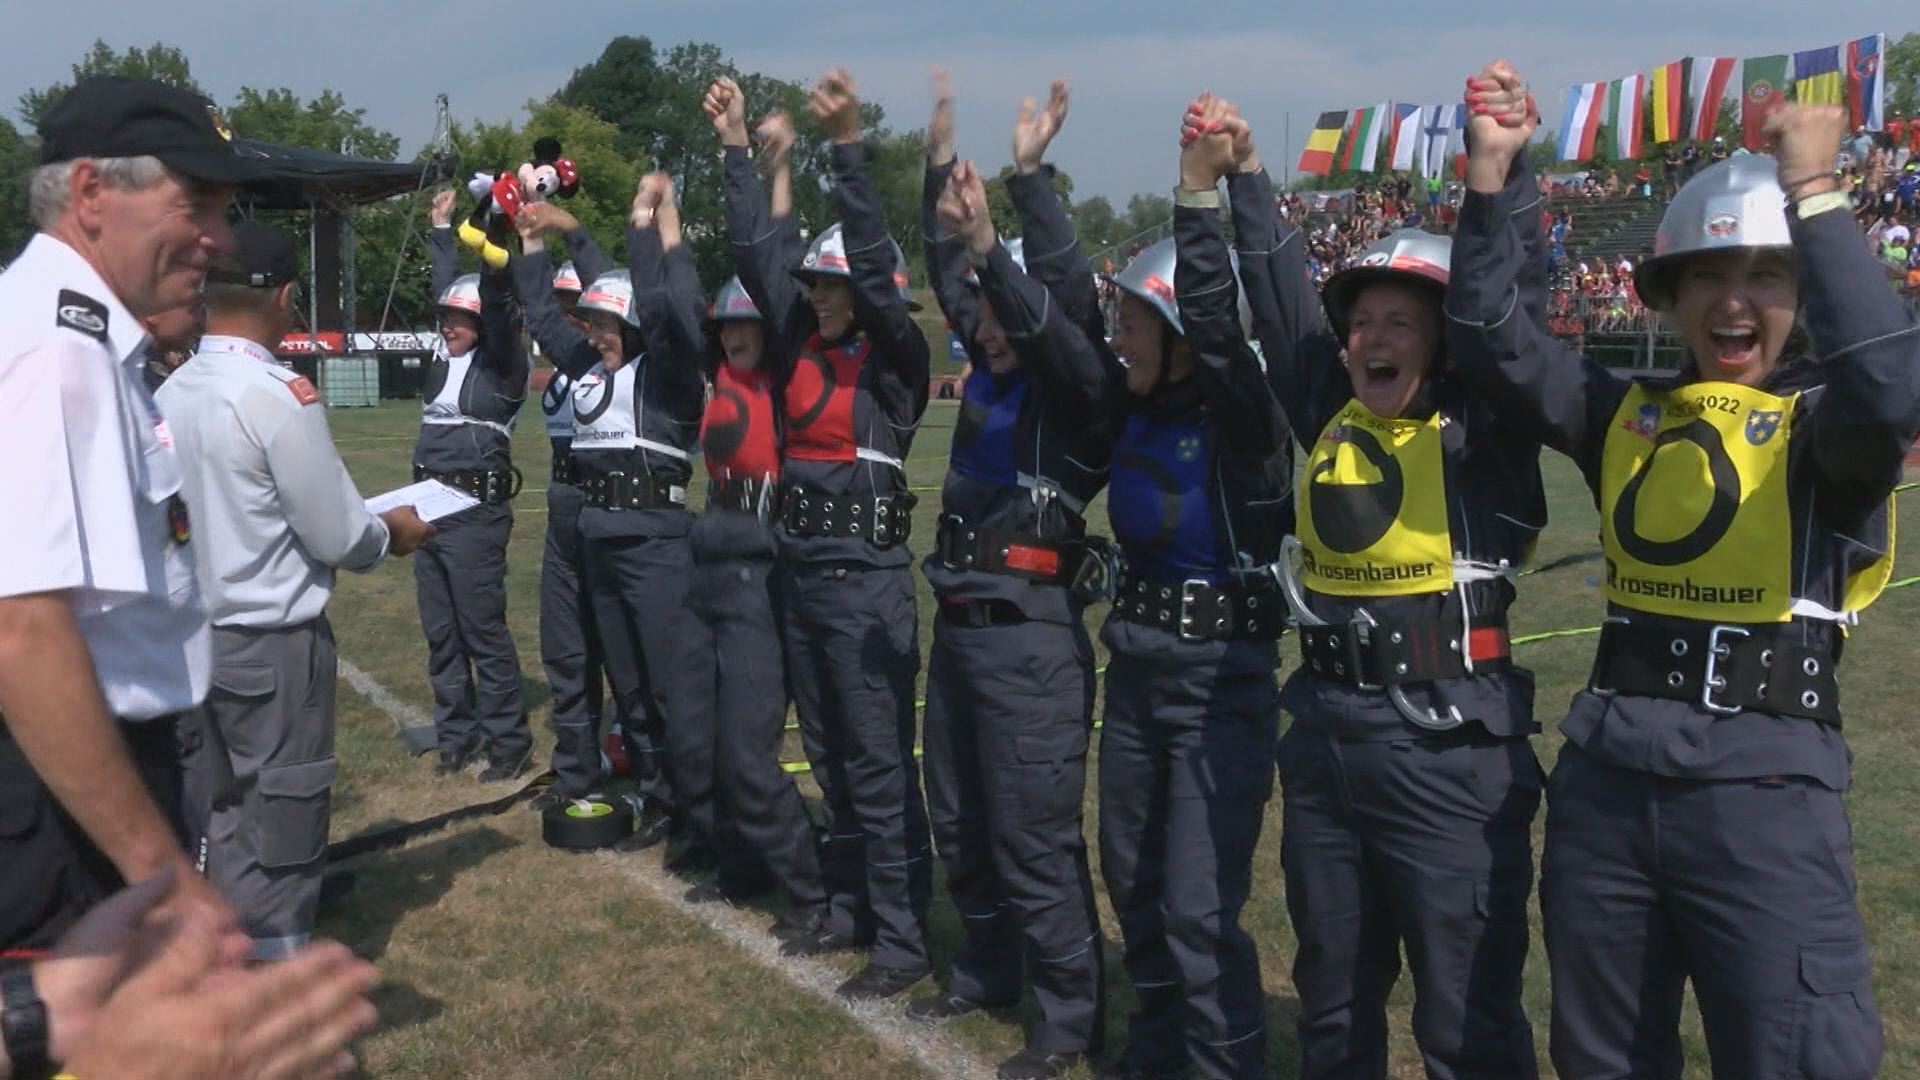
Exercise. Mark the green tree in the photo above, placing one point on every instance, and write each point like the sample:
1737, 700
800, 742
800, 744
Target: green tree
1146, 211
326, 123
1095, 223
157, 61
16, 159
1902, 70
653, 100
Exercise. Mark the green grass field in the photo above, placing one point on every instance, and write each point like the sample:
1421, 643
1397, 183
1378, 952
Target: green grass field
505, 959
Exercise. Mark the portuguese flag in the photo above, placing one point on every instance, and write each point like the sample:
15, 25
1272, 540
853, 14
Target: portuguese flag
1317, 158
1763, 89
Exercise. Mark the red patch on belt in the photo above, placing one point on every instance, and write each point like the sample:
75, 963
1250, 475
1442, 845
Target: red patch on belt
303, 391
1033, 560
1488, 643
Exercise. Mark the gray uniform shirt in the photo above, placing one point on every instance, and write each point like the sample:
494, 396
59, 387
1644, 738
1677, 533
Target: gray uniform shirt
275, 509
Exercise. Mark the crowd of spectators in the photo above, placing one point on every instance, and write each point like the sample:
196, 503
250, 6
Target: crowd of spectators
1596, 295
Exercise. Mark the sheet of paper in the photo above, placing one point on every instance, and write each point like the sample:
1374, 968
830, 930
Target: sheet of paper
431, 499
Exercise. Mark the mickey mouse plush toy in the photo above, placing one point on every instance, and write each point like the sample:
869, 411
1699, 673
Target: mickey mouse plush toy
500, 198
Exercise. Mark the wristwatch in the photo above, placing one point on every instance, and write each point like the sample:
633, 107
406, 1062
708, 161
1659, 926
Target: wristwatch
23, 1024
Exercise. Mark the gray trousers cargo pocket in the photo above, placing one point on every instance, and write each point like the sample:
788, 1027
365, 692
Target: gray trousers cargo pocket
294, 803
1839, 1029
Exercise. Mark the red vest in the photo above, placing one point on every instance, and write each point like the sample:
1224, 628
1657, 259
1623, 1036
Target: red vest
737, 431
819, 400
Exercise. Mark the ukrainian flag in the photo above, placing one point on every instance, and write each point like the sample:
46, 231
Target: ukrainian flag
1817, 78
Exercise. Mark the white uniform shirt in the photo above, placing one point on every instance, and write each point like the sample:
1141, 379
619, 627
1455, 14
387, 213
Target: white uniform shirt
90, 481
274, 506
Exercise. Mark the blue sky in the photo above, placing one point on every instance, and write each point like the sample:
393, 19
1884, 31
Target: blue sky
1133, 64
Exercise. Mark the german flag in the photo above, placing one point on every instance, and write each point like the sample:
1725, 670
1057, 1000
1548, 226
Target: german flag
1317, 158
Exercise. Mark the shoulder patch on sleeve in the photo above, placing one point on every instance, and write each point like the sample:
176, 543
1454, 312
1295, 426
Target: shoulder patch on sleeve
302, 390
78, 311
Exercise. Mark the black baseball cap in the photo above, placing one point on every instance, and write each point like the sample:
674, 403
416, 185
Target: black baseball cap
262, 258
115, 116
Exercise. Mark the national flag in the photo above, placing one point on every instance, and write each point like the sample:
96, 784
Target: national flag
1816, 77
1435, 135
1404, 137
1707, 78
1363, 139
1628, 98
1317, 158
1457, 142
1581, 123
1865, 87
1669, 93
1764, 88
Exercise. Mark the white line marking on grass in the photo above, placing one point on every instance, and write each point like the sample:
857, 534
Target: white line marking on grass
401, 713
940, 1054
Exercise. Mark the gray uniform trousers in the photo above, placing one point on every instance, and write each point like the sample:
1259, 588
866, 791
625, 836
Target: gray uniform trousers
1417, 842
1744, 886
734, 722
1006, 764
852, 645
460, 576
267, 758
570, 649
639, 586
1186, 768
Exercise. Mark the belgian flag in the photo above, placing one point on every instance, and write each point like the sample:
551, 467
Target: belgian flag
1317, 158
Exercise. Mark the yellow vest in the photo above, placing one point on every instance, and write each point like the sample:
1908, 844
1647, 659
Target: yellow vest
1694, 517
1373, 519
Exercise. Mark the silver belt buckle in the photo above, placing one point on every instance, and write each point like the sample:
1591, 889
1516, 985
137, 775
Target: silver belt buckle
1186, 600
1711, 681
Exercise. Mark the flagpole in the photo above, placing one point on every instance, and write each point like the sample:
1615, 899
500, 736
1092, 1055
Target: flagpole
1286, 169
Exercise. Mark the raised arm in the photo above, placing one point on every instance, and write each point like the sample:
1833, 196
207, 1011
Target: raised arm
499, 327
761, 241
1077, 369
1865, 421
565, 346
1531, 378
440, 251
877, 304
1209, 296
945, 252
1053, 254
588, 260
1301, 350
670, 307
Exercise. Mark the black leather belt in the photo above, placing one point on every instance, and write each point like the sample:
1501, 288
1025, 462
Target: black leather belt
564, 469
490, 487
967, 547
1725, 669
1248, 609
982, 613
1374, 657
759, 496
619, 491
883, 521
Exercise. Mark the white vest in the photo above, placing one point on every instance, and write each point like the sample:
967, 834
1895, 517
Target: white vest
556, 404
607, 411
444, 410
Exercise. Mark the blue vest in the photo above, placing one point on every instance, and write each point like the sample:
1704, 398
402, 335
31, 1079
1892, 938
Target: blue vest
1159, 499
985, 433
